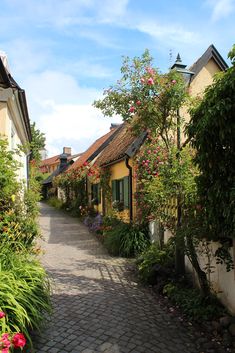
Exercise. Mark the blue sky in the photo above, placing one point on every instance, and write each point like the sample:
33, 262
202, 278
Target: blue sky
65, 52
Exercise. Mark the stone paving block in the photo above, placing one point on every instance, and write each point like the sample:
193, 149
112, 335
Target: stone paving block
98, 308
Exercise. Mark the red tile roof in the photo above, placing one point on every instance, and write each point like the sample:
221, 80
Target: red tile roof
92, 149
49, 161
118, 147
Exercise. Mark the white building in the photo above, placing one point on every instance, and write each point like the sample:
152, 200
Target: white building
14, 119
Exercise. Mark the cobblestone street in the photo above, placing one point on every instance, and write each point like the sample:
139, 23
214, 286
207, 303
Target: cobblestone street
97, 308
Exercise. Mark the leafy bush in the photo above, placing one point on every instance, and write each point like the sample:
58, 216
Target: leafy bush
153, 260
124, 239
193, 304
24, 295
55, 202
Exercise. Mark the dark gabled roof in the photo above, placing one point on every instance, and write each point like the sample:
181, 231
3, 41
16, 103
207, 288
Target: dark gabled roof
210, 53
6, 81
124, 144
56, 172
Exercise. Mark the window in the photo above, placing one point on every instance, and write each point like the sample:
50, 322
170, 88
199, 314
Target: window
120, 191
95, 194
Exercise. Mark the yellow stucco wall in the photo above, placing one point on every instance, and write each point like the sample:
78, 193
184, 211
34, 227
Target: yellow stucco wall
204, 78
119, 171
197, 87
6, 126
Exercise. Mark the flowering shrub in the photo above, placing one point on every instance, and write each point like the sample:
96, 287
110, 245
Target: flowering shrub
72, 182
10, 340
145, 97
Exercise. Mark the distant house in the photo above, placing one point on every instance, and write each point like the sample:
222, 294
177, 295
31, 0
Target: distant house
89, 157
55, 166
49, 165
14, 118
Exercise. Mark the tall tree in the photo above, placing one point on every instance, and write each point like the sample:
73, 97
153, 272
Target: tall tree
37, 143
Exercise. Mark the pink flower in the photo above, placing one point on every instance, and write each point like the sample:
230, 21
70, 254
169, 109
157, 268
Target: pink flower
5, 343
150, 70
18, 340
138, 103
142, 80
149, 151
2, 314
173, 82
150, 81
5, 350
132, 109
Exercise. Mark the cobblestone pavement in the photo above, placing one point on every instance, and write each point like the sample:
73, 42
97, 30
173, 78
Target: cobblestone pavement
97, 307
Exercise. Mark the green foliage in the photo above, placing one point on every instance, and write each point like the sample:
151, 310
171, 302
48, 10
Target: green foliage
163, 175
124, 239
152, 256
193, 304
24, 295
37, 143
212, 131
55, 202
8, 178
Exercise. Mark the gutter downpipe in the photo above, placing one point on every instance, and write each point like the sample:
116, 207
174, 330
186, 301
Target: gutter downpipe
130, 187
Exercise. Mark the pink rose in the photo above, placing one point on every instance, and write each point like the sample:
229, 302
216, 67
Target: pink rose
2, 314
18, 340
173, 82
150, 81
138, 103
132, 109
150, 70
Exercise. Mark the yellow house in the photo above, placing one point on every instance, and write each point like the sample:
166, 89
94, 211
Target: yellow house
14, 119
117, 160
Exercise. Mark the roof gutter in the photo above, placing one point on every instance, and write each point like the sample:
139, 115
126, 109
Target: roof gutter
130, 187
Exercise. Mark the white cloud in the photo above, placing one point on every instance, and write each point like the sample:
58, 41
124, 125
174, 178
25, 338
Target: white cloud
75, 122
63, 111
165, 32
221, 8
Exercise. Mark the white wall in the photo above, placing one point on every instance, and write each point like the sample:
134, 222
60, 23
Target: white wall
222, 282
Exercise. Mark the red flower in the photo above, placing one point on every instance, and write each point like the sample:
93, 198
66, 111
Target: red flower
132, 109
138, 103
2, 314
18, 340
150, 81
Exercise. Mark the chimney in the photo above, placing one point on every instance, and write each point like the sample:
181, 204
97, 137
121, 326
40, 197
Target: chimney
113, 126
67, 150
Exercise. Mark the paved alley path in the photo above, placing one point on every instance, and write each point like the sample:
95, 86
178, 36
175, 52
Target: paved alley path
96, 307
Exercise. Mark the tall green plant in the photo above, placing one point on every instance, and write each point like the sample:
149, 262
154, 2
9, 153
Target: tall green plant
24, 295
212, 132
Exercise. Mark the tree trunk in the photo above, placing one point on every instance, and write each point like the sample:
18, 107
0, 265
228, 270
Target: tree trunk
204, 285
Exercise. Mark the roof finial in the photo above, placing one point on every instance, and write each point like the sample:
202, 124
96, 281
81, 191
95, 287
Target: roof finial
178, 58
